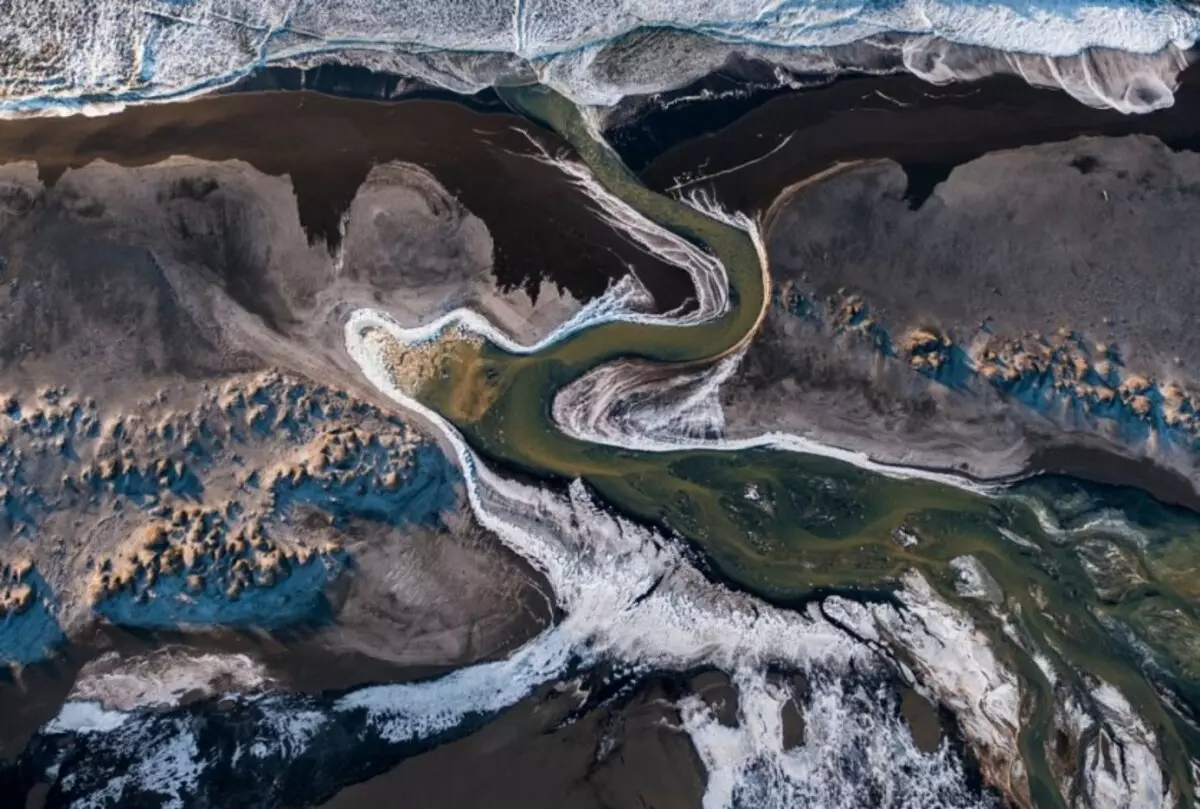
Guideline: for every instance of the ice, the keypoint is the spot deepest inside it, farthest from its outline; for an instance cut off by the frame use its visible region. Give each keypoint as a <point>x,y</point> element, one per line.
<point>85,717</point>
<point>161,679</point>
<point>854,754</point>
<point>956,661</point>
<point>972,579</point>
<point>77,55</point>
<point>1133,776</point>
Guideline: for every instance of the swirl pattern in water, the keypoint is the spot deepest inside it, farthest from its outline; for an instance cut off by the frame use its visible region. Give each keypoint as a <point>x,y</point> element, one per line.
<point>418,449</point>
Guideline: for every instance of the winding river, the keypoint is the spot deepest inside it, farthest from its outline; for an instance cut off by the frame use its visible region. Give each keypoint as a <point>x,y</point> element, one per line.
<point>1078,598</point>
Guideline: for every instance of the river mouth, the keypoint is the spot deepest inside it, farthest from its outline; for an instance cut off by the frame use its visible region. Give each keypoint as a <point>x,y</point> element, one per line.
<point>802,529</point>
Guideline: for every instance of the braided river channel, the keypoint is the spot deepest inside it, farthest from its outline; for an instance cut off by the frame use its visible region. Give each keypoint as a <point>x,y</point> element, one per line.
<point>1052,618</point>
<point>881,634</point>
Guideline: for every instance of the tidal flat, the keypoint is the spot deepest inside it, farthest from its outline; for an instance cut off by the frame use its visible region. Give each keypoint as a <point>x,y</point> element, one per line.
<point>624,557</point>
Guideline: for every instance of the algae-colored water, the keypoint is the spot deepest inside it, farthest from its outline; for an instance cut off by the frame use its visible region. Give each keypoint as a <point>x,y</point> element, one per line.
<point>1111,598</point>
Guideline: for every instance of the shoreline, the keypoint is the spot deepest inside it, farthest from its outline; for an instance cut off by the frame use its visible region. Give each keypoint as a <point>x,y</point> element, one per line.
<point>220,115</point>
<point>928,129</point>
<point>327,146</point>
<point>1104,467</point>
<point>156,121</point>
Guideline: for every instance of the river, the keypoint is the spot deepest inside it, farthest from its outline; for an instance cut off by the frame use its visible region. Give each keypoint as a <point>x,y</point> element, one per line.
<point>795,526</point>
<point>1051,620</point>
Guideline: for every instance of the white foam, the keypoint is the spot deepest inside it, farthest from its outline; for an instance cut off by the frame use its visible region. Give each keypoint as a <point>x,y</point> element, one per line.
<point>856,752</point>
<point>77,55</point>
<point>288,730</point>
<point>85,717</point>
<point>409,711</point>
<point>634,403</point>
<point>167,763</point>
<point>171,768</point>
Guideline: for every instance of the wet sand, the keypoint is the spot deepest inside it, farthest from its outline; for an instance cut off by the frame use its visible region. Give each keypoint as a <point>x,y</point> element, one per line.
<point>543,228</point>
<point>298,661</point>
<point>1097,465</point>
<point>627,754</point>
<point>926,128</point>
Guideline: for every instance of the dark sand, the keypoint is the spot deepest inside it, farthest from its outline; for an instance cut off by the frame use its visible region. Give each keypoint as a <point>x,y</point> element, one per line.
<point>615,757</point>
<point>300,660</point>
<point>1096,465</point>
<point>928,129</point>
<point>922,720</point>
<point>542,226</point>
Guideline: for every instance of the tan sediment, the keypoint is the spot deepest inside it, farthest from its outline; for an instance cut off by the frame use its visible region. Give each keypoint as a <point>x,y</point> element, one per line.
<point>764,225</point>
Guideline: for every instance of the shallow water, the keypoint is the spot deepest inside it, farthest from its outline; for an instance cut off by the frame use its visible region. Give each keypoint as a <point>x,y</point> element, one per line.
<point>1083,587</point>
<point>326,146</point>
<point>1057,592</point>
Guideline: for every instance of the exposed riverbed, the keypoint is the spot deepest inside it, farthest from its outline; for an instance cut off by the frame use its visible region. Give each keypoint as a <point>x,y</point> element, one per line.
<point>1048,622</point>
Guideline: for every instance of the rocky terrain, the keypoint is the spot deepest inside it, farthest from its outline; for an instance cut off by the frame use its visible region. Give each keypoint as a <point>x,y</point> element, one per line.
<point>167,458</point>
<point>1039,297</point>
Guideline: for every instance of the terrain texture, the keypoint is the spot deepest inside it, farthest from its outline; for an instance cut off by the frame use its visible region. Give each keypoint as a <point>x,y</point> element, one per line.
<point>168,459</point>
<point>1036,298</point>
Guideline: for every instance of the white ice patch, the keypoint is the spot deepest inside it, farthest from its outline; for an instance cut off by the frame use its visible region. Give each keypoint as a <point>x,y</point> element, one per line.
<point>171,769</point>
<point>288,731</point>
<point>409,711</point>
<point>957,663</point>
<point>1121,768</point>
<point>1017,539</point>
<point>857,752</point>
<point>85,717</point>
<point>972,580</point>
<point>163,678</point>
<point>168,764</point>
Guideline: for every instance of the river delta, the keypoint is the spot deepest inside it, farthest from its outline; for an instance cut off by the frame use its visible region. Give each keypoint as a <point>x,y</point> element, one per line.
<point>809,485</point>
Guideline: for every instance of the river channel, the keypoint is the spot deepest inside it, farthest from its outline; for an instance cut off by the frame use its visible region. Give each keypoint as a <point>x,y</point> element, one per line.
<point>792,526</point>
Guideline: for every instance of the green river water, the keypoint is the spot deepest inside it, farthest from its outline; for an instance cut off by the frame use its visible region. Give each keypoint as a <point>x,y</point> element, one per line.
<point>1115,604</point>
